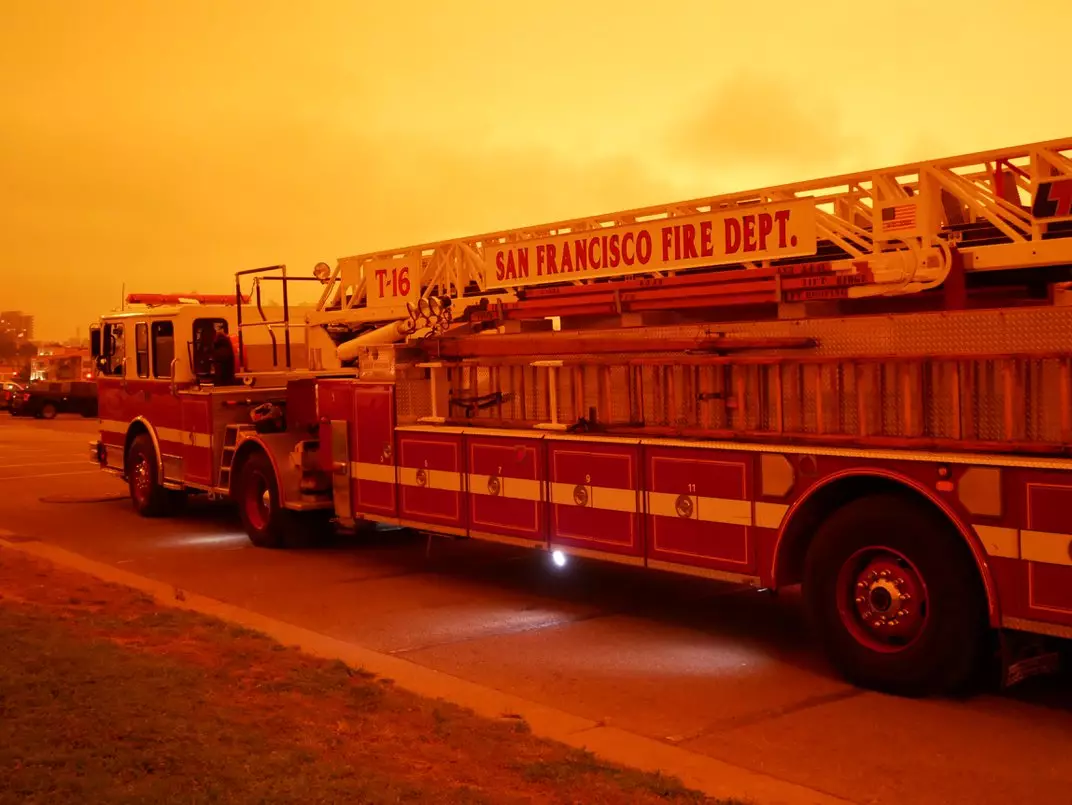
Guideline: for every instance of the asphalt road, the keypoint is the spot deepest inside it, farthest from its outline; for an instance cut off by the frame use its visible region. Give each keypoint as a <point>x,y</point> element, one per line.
<point>714,668</point>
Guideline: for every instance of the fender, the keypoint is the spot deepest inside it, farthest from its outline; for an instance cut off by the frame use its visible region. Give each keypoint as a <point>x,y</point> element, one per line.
<point>127,439</point>
<point>966,532</point>
<point>246,444</point>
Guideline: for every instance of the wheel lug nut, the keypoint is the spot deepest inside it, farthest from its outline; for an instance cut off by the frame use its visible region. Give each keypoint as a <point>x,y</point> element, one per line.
<point>894,622</point>
<point>884,573</point>
<point>861,585</point>
<point>860,599</point>
<point>906,598</point>
<point>899,582</point>
<point>877,624</point>
<point>902,613</point>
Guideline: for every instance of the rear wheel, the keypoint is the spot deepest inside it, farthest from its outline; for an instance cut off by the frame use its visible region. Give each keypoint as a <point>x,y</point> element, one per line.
<point>149,497</point>
<point>895,597</point>
<point>265,520</point>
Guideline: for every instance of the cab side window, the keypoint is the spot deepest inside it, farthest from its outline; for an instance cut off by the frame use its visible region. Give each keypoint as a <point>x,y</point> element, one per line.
<point>113,349</point>
<point>141,348</point>
<point>163,333</point>
<point>204,342</point>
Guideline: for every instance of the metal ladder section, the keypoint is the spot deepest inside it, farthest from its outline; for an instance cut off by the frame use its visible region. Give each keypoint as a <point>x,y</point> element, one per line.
<point>227,454</point>
<point>1009,402</point>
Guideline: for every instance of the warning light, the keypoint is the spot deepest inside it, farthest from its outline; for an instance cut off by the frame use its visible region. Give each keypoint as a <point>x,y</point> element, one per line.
<point>559,558</point>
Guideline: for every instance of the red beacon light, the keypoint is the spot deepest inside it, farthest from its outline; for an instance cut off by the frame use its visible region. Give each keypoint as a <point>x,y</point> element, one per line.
<point>157,299</point>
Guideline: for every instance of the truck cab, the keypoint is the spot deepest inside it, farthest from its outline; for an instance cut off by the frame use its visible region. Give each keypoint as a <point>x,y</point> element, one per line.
<point>179,384</point>
<point>174,345</point>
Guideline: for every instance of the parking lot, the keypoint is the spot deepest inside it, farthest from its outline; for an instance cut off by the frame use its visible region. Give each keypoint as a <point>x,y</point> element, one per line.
<point>714,668</point>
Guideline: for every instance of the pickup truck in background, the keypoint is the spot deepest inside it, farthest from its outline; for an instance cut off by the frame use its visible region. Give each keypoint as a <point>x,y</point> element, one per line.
<point>8,393</point>
<point>45,400</point>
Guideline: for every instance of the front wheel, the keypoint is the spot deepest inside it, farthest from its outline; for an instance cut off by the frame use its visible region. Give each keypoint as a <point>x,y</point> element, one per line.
<point>149,497</point>
<point>265,520</point>
<point>896,598</point>
<point>48,411</point>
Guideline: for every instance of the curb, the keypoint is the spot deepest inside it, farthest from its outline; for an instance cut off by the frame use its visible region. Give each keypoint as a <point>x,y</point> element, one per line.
<point>700,772</point>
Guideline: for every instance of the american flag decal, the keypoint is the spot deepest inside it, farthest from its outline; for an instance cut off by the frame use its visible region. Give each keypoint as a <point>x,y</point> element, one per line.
<point>899,217</point>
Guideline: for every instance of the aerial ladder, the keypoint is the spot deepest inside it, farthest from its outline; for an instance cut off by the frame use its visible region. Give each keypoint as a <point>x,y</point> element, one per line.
<point>891,232</point>
<point>705,318</point>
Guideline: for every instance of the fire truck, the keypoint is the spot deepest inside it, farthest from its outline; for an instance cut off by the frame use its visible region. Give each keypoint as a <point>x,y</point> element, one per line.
<point>861,385</point>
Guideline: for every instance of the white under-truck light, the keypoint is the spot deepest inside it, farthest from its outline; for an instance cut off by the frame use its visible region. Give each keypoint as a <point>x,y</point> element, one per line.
<point>558,558</point>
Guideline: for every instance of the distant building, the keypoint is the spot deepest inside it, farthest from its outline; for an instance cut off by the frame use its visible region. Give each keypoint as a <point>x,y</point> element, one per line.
<point>57,363</point>
<point>16,324</point>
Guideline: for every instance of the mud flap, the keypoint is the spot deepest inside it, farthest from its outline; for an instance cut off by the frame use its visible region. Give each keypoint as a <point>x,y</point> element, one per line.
<point>1025,655</point>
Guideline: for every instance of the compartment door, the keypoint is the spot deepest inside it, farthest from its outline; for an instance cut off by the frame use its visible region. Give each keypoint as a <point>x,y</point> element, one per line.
<point>431,479</point>
<point>699,509</point>
<point>372,445</point>
<point>595,498</point>
<point>506,487</point>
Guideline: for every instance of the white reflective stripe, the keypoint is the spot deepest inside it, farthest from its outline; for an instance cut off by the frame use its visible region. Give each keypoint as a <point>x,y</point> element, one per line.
<point>1046,546</point>
<point>769,515</point>
<point>367,471</point>
<point>162,434</point>
<point>433,479</point>
<point>999,541</point>
<point>604,498</point>
<point>510,488</point>
<point>184,437</point>
<point>705,509</point>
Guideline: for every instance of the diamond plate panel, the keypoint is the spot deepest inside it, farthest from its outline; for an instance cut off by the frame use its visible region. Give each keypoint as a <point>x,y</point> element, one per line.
<point>413,395</point>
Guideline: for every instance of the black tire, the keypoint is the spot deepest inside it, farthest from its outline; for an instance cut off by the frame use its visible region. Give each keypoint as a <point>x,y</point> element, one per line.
<point>266,522</point>
<point>922,568</point>
<point>48,411</point>
<point>150,499</point>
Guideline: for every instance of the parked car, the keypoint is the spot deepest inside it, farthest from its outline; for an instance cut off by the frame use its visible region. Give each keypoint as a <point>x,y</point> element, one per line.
<point>8,393</point>
<point>45,400</point>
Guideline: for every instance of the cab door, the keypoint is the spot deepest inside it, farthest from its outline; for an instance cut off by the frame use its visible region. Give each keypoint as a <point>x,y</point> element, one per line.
<point>153,396</point>
<point>112,408</point>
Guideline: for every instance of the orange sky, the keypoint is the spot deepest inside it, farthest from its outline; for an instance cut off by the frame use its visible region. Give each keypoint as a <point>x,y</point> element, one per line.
<point>167,144</point>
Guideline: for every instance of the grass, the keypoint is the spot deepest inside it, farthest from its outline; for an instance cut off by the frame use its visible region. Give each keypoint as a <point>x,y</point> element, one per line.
<point>108,697</point>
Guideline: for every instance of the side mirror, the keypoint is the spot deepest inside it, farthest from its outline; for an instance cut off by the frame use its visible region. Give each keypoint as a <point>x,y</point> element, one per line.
<point>174,383</point>
<point>95,341</point>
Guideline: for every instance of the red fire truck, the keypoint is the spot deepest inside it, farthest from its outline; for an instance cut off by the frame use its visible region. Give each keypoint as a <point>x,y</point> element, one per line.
<point>861,384</point>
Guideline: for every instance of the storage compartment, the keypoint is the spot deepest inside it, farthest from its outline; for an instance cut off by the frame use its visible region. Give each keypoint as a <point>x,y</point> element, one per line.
<point>594,495</point>
<point>506,486</point>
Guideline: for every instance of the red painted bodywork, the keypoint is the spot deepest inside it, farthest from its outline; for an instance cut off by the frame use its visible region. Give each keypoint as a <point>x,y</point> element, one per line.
<point>198,464</point>
<point>372,442</point>
<point>693,541</point>
<point>622,473</point>
<point>595,466</point>
<point>426,453</point>
<point>508,460</point>
<point>302,412</point>
<point>1039,501</point>
<point>150,400</point>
